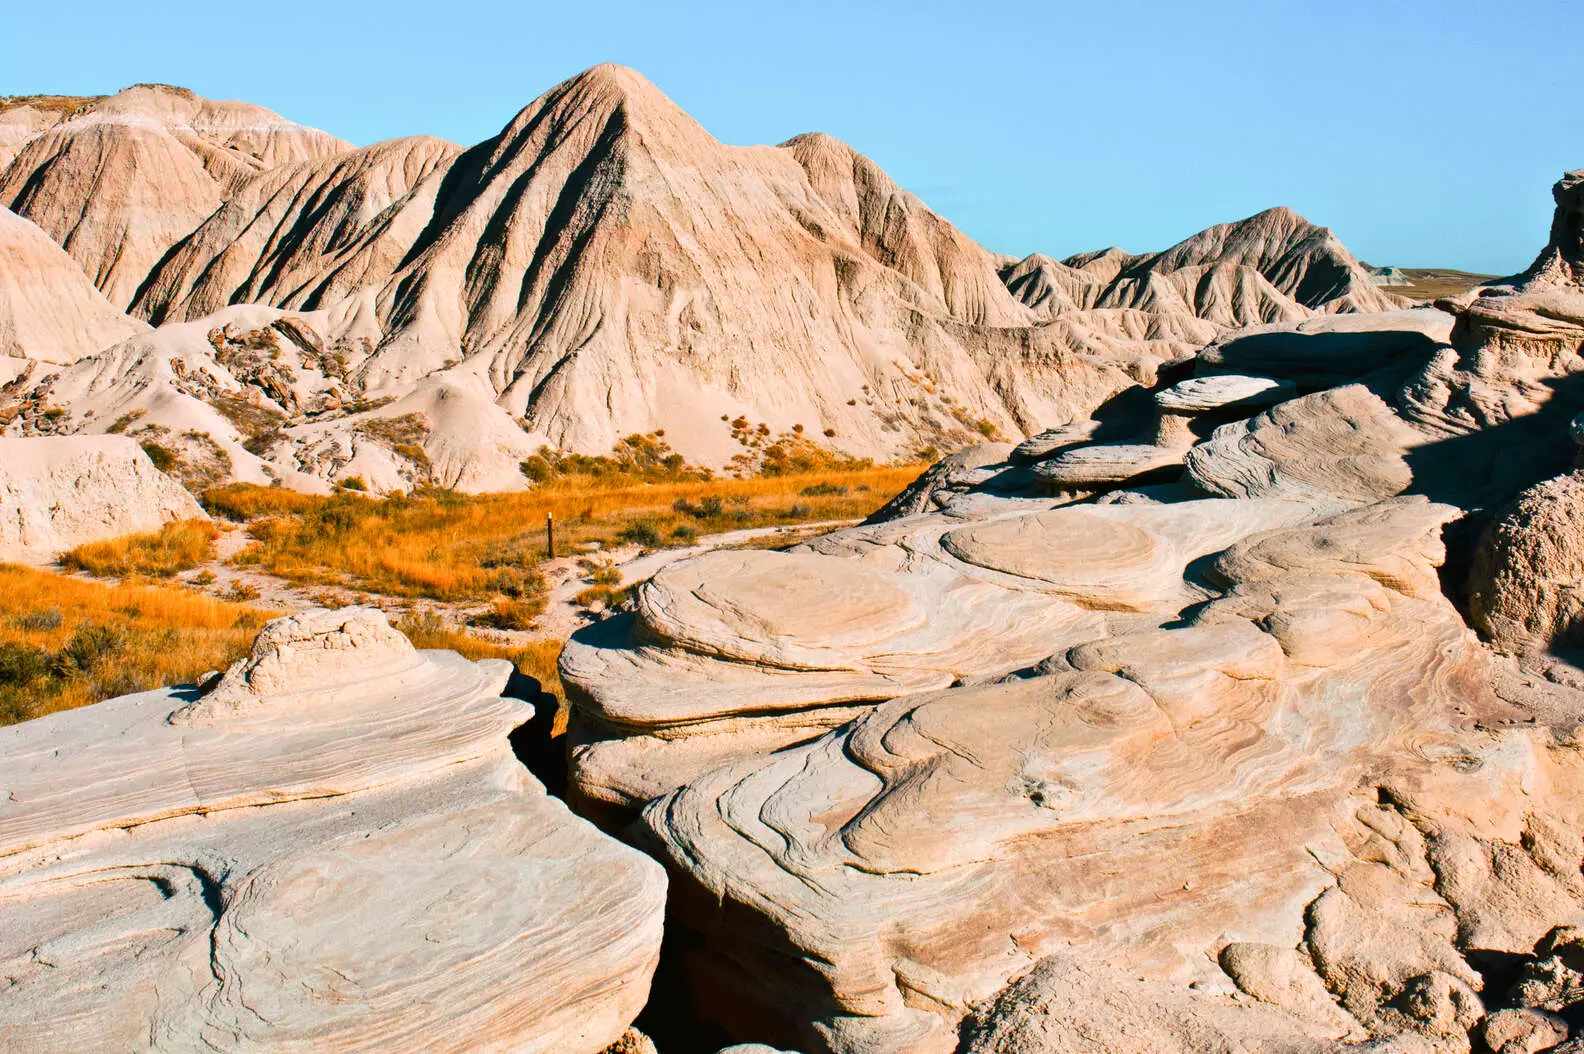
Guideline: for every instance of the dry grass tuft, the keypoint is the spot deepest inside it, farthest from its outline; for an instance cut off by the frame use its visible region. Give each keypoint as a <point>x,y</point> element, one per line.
<point>174,548</point>
<point>65,642</point>
<point>536,659</point>
<point>450,547</point>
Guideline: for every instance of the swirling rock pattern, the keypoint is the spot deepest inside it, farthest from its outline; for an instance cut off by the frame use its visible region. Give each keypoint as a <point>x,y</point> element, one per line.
<point>333,851</point>
<point>1264,789</point>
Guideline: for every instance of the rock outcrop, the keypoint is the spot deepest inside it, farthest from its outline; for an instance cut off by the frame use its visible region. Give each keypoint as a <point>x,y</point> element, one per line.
<point>58,493</point>
<point>258,394</point>
<point>332,850</point>
<point>1265,790</point>
<point>121,179</point>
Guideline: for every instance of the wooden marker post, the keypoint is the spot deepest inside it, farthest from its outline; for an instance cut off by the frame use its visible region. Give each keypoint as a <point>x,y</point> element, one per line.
<point>550,536</point>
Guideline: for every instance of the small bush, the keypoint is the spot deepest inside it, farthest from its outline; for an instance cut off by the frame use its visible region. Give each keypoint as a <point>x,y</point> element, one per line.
<point>353,483</point>
<point>89,646</point>
<point>175,547</point>
<point>241,592</point>
<point>641,532</point>
<point>606,576</point>
<point>45,620</point>
<point>684,532</point>
<point>164,459</point>
<point>602,597</point>
<point>535,468</point>
<point>124,422</point>
<point>516,615</point>
<point>21,665</point>
<point>823,490</point>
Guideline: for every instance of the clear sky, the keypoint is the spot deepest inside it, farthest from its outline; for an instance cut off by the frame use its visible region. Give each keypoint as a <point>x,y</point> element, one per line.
<point>1425,133</point>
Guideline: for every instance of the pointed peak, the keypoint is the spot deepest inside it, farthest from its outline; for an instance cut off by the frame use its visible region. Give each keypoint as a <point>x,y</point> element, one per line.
<point>603,92</point>
<point>609,86</point>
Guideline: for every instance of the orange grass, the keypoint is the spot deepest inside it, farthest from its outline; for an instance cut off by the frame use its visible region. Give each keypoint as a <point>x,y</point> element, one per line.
<point>173,548</point>
<point>454,547</point>
<point>94,641</point>
<point>536,658</point>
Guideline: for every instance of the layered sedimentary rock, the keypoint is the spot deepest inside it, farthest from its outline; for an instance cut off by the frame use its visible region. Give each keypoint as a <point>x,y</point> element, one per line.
<point>1266,790</point>
<point>605,267</point>
<point>121,179</point>
<point>58,493</point>
<point>333,850</point>
<point>1275,266</point>
<point>49,311</point>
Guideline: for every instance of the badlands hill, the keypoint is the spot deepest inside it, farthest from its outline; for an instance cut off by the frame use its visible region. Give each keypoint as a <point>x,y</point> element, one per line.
<point>1244,713</point>
<point>600,268</point>
<point>118,180</point>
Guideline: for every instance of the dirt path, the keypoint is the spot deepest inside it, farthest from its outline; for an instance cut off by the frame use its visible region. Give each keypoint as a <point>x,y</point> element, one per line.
<point>566,576</point>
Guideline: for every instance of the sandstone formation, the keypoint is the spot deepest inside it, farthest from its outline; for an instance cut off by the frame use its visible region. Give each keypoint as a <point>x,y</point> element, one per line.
<point>605,267</point>
<point>332,850</point>
<point>49,311</point>
<point>1265,788</point>
<point>58,493</point>
<point>121,179</point>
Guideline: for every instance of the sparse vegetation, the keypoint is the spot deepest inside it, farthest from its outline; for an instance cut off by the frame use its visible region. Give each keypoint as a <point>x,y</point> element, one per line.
<point>536,659</point>
<point>174,548</point>
<point>65,642</point>
<point>450,547</point>
<point>163,457</point>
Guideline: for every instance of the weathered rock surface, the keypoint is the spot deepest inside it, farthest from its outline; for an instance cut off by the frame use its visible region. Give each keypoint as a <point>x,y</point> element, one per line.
<point>58,493</point>
<point>49,311</point>
<point>122,179</point>
<point>1264,790</point>
<point>1275,266</point>
<point>1525,586</point>
<point>333,850</point>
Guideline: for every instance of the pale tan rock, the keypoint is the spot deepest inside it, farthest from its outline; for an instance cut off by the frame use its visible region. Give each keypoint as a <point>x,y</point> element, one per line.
<point>1524,585</point>
<point>59,493</point>
<point>49,311</point>
<point>1217,392</point>
<point>122,180</point>
<point>1325,351</point>
<point>335,851</point>
<point>1103,464</point>
<point>1340,445</point>
<point>871,319</point>
<point>1050,793</point>
<point>1522,1031</point>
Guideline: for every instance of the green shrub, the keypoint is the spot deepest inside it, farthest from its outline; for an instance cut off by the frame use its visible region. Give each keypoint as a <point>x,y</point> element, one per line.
<point>21,665</point>
<point>89,646</point>
<point>641,532</point>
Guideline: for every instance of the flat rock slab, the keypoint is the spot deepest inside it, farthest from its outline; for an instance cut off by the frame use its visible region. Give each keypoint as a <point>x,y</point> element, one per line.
<point>1202,394</point>
<point>1106,464</point>
<point>333,851</point>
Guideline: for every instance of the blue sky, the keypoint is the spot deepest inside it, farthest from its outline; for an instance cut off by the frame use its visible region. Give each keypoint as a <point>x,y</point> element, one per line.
<point>1425,133</point>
